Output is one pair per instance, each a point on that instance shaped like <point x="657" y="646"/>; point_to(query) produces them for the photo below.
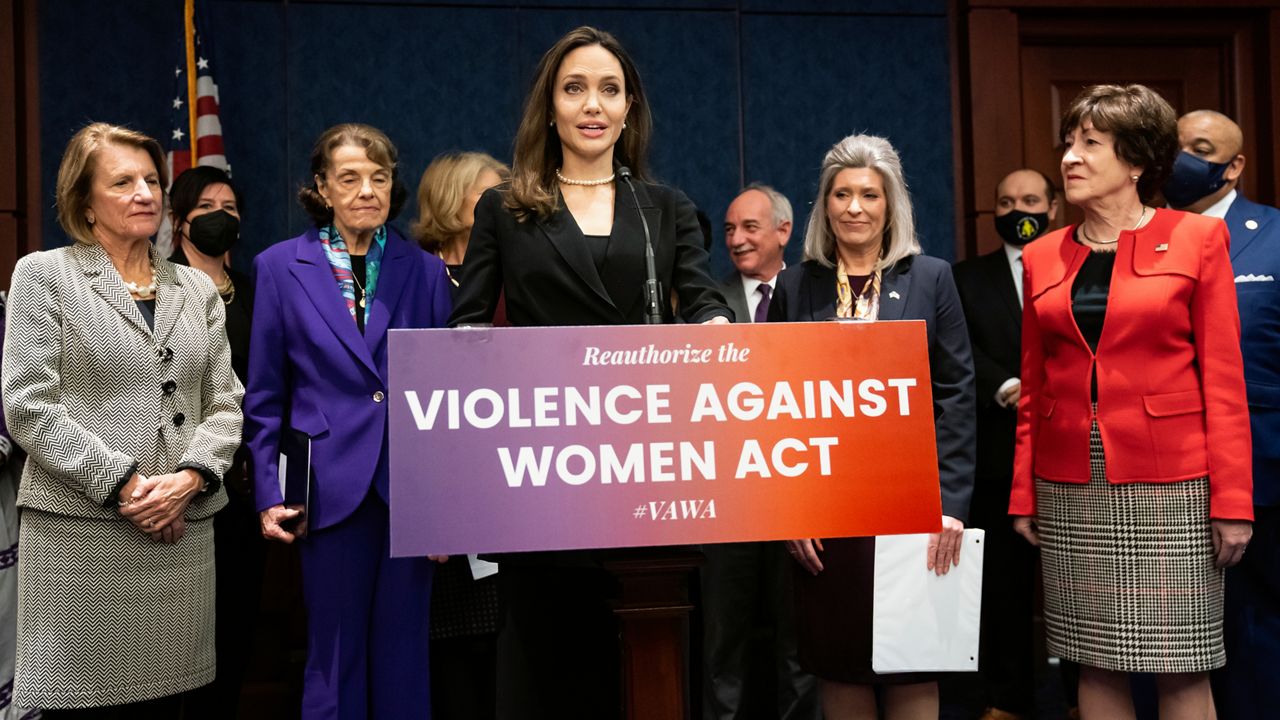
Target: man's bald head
<point x="1217" y="136"/>
<point x="1212" y="136"/>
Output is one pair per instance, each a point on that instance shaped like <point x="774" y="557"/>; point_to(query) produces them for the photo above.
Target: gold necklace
<point x="1087" y="236"/>
<point x="447" y="271"/>
<point x="360" y="285"/>
<point x="227" y="289"/>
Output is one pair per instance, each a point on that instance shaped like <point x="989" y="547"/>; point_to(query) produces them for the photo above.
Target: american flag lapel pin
<point x="1162" y="247"/>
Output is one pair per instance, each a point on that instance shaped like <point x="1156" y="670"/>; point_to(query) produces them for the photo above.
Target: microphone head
<point x="623" y="172"/>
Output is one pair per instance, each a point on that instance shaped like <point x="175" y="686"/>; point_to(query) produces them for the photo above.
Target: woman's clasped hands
<point x="155" y="504"/>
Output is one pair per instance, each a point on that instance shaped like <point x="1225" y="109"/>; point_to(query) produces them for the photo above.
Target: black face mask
<point x="214" y="233"/>
<point x="1019" y="228"/>
<point x="1193" y="178"/>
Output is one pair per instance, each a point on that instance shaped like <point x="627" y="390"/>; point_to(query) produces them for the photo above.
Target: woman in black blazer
<point x="863" y="262"/>
<point x="565" y="242"/>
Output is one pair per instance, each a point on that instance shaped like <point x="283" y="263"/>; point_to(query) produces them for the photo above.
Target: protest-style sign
<point x="514" y="439"/>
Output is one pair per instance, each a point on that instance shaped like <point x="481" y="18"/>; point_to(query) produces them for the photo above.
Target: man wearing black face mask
<point x="991" y="293"/>
<point x="1204" y="181"/>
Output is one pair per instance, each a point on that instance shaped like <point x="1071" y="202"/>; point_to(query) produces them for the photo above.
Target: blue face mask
<point x="1193" y="178"/>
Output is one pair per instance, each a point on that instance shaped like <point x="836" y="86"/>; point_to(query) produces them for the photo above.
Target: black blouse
<point x="1089" y="295"/>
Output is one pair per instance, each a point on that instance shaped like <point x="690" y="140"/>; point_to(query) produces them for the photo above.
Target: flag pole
<point x="189" y="22"/>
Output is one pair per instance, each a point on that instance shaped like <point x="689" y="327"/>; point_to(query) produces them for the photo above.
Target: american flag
<point x="196" y="129"/>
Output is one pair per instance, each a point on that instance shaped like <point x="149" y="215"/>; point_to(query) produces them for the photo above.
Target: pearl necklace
<point x="144" y="292"/>
<point x="584" y="183"/>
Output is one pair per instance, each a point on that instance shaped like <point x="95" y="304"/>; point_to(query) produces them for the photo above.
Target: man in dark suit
<point x="1204" y="180"/>
<point x="749" y="632"/>
<point x="991" y="292"/>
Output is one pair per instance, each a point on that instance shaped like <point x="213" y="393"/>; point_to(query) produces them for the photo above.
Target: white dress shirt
<point x="1220" y="208"/>
<point x="749" y="286"/>
<point x="1014" y="253"/>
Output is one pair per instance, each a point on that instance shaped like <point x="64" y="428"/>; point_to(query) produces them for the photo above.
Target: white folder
<point x="922" y="622"/>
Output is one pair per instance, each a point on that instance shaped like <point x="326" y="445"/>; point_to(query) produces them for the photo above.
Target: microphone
<point x="652" y="291"/>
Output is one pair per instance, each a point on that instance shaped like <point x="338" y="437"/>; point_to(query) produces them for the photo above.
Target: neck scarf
<point x="335" y="249"/>
<point x="866" y="306"/>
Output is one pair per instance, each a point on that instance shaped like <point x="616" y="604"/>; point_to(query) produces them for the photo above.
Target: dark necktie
<point x="762" y="310"/>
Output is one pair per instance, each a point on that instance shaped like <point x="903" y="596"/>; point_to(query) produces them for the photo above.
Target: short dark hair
<point x="376" y="145"/>
<point x="1144" y="124"/>
<point x="1050" y="190"/>
<point x="184" y="195"/>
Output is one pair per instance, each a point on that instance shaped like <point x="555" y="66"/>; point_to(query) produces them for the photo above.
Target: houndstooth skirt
<point x="1129" y="577"/>
<point x="108" y="617"/>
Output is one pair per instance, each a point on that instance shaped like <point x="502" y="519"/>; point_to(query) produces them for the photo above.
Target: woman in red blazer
<point x="1132" y="469"/>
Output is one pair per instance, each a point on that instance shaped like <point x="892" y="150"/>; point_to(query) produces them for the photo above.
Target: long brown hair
<point x="538" y="153"/>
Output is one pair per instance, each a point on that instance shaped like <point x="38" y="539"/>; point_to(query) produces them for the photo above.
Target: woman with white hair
<point x="863" y="262"/>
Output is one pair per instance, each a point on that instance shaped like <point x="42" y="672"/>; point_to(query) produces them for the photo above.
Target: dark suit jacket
<point x="545" y="267"/>
<point x="925" y="291"/>
<point x="310" y="367"/>
<point x="1255" y="260"/>
<point x="546" y="271"/>
<point x="731" y="287"/>
<point x="994" y="319"/>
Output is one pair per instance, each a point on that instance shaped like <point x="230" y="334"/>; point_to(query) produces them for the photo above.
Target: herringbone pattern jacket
<point x="91" y="391"/>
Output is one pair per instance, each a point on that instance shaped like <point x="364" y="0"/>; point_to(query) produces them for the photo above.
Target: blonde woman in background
<point x="464" y="611"/>
<point x="447" y="197"/>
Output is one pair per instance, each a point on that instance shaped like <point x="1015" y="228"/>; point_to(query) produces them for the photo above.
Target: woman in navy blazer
<point x="318" y="364"/>
<point x="863" y="262"/>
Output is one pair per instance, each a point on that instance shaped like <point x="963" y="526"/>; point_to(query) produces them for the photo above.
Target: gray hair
<point x="779" y="202"/>
<point x="864" y="151"/>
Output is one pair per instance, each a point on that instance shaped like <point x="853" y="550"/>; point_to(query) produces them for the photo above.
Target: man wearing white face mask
<point x="1204" y="180"/>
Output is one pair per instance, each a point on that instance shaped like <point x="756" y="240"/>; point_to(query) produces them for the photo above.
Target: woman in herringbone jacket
<point x="117" y="382"/>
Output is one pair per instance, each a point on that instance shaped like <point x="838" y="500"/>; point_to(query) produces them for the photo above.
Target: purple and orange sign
<point x="512" y="439"/>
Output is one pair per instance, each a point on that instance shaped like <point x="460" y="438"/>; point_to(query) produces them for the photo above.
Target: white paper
<point x="481" y="569"/>
<point x="282" y="471"/>
<point x="922" y="622"/>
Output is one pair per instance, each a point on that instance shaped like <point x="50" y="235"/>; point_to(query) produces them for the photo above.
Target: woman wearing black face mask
<point x="205" y="212"/>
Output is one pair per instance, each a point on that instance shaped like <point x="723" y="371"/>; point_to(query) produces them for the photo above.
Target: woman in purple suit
<point x="318" y="367"/>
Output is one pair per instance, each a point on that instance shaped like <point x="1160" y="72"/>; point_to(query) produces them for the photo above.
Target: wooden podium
<point x="653" y="611"/>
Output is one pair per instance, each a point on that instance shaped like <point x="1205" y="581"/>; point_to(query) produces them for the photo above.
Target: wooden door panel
<point x="1188" y="76"/>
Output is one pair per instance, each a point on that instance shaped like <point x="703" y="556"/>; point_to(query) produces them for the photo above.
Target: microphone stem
<point x="652" y="291"/>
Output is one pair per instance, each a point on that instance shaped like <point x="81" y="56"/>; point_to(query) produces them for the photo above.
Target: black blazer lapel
<point x="392" y="273"/>
<point x="1000" y="275"/>
<point x="624" y="266"/>
<point x="566" y="237"/>
<point x="895" y="285"/>
<point x="311" y="269"/>
<point x="822" y="291"/>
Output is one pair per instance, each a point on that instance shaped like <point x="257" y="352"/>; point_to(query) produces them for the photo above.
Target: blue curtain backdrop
<point x="741" y="90"/>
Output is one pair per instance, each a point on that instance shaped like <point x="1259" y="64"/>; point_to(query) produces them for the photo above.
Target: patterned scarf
<point x="867" y="305"/>
<point x="335" y="249"/>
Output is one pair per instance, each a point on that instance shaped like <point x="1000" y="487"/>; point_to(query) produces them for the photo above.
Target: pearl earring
<point x="551" y="124"/>
<point x="624" y="126"/>
<point x="1134" y="177"/>
<point x="91" y="218"/>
